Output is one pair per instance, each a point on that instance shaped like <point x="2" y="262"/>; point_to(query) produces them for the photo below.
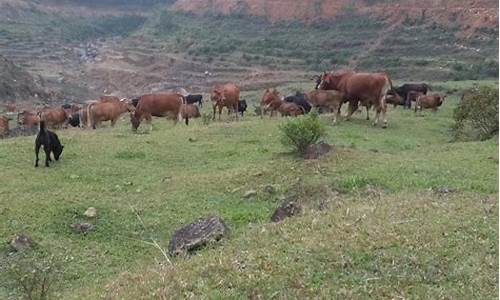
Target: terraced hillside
<point x="90" y="50"/>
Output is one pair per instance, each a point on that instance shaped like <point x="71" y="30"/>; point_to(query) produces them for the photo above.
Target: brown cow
<point x="271" y="100"/>
<point x="330" y="100"/>
<point x="227" y="95"/>
<point x="4" y="126"/>
<point x="190" y="111"/>
<point x="28" y="119"/>
<point x="10" y="107"/>
<point x="107" y="111"/>
<point x="367" y="88"/>
<point x="157" y="105"/>
<point x="109" y="98"/>
<point x="54" y="117"/>
<point x="429" y="101"/>
<point x="290" y="109"/>
<point x="394" y="99"/>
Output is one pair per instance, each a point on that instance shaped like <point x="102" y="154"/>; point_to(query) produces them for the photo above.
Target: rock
<point x="269" y="189"/>
<point x="250" y="194"/>
<point x="286" y="210"/>
<point x="21" y="242"/>
<point x="317" y="150"/>
<point x="83" y="227"/>
<point x="192" y="140"/>
<point x="74" y="176"/>
<point x="444" y="190"/>
<point x="91" y="212"/>
<point x="196" y="235"/>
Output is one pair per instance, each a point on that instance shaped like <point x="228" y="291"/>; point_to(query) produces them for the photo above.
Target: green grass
<point x="383" y="235"/>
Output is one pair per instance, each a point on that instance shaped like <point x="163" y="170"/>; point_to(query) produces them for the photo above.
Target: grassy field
<point x="373" y="225"/>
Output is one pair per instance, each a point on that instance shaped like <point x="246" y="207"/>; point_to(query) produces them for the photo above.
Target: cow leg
<point x="353" y="106"/>
<point x="37" y="150"/>
<point x="220" y="112"/>
<point x="367" y="112"/>
<point x="215" y="108"/>
<point x="236" y="110"/>
<point x="149" y="122"/>
<point x="47" y="155"/>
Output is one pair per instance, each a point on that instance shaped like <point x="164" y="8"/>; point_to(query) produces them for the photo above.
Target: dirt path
<point x="374" y="44"/>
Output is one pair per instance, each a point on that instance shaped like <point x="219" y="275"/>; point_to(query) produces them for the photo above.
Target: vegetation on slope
<point x="415" y="50"/>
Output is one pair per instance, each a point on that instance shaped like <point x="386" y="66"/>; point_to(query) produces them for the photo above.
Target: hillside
<point x="468" y="15"/>
<point x="82" y="49"/>
<point x="17" y="84"/>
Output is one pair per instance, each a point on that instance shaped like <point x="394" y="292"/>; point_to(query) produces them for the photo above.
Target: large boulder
<point x="196" y="235"/>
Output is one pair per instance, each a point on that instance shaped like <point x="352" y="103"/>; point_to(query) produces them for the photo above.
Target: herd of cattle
<point x="332" y="90"/>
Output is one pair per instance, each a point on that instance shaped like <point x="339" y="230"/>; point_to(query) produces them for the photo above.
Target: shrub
<point x="476" y="116"/>
<point x="300" y="133"/>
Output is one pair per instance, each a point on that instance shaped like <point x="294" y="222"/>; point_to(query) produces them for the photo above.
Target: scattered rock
<point x="166" y="179"/>
<point x="21" y="242"/>
<point x="83" y="227"/>
<point x="250" y="194"/>
<point x="91" y="212"/>
<point x="444" y="190"/>
<point x="317" y="150"/>
<point x="74" y="176"/>
<point x="196" y="235"/>
<point x="192" y="140"/>
<point x="270" y="189"/>
<point x="129" y="183"/>
<point x="286" y="210"/>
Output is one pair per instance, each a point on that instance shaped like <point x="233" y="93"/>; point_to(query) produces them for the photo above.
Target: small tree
<point x="300" y="133"/>
<point x="476" y="116"/>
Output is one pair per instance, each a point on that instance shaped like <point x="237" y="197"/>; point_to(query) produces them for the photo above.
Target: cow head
<point x="217" y="96"/>
<point x="127" y="105"/>
<point x="135" y="120"/>
<point x="328" y="81"/>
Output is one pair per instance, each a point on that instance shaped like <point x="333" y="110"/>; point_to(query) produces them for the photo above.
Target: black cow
<point x="135" y="101"/>
<point x="242" y="107"/>
<point x="411" y="87"/>
<point x="192" y="99"/>
<point x="74" y="119"/>
<point x="301" y="100"/>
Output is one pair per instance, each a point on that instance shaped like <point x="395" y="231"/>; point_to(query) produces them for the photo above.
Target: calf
<point x="431" y="101"/>
<point x="290" y="109"/>
<point x="74" y="120"/>
<point x="300" y="100"/>
<point x="107" y="111"/>
<point x="192" y="99"/>
<point x="227" y="95"/>
<point x="189" y="111"/>
<point x="330" y="100"/>
<point x="394" y="99"/>
<point x="270" y="101"/>
<point x="242" y="107"/>
<point x="50" y="142"/>
<point x="4" y="126"/>
<point x="28" y="119"/>
<point x="54" y="117"/>
<point x="406" y="88"/>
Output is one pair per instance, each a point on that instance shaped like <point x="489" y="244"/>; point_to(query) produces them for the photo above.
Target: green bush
<point x="300" y="133"/>
<point x="476" y="116"/>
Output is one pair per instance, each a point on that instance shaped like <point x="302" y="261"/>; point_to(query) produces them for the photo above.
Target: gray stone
<point x="83" y="227"/>
<point x="195" y="235"/>
<point x="91" y="212"/>
<point x="21" y="242"/>
<point x="288" y="209"/>
<point x="250" y="194"/>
